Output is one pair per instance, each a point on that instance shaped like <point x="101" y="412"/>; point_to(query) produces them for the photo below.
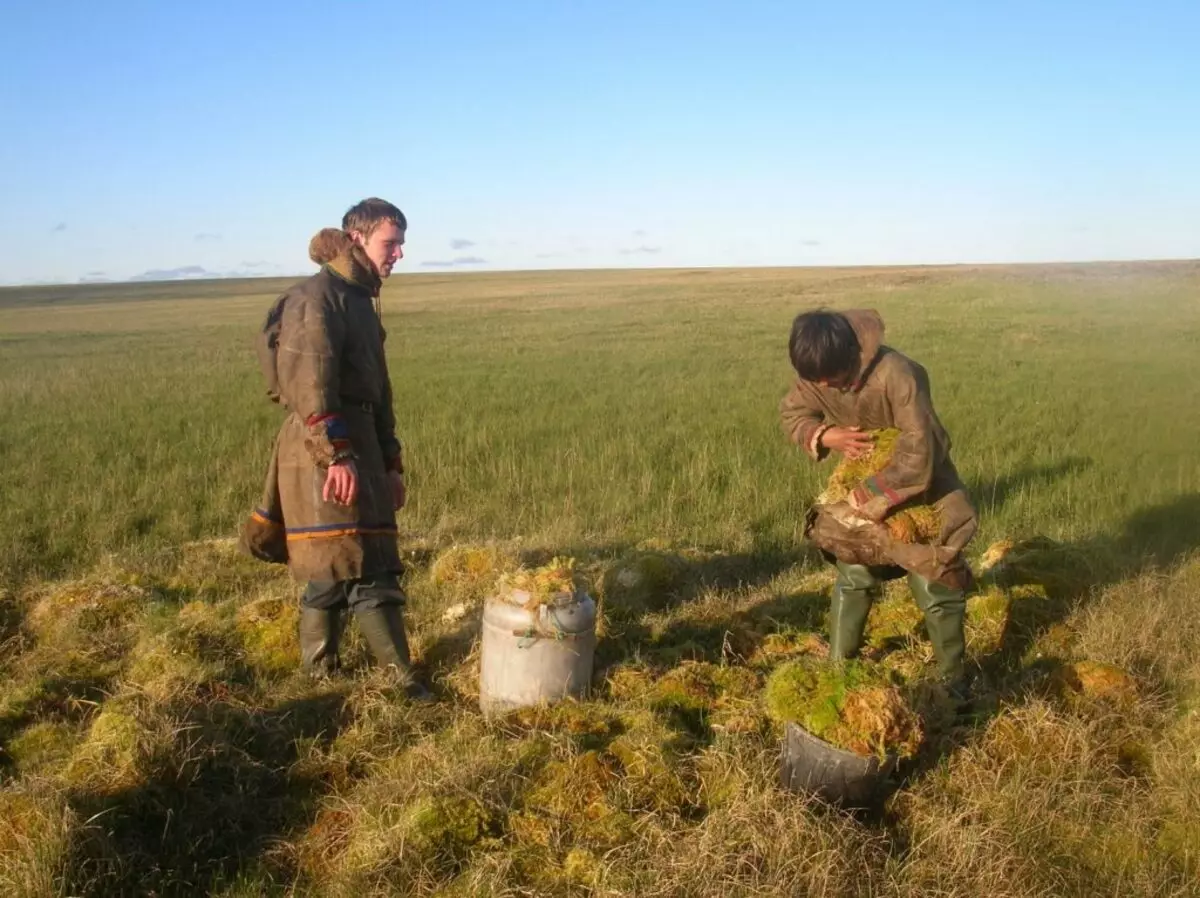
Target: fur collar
<point x="333" y="248"/>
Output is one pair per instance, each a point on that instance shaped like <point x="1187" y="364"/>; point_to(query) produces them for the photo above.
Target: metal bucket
<point x="528" y="657"/>
<point x="814" y="766"/>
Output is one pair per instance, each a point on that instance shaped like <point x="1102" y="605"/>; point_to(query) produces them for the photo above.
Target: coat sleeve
<point x="909" y="471"/>
<point x="803" y="421"/>
<point x="385" y="428"/>
<point x="312" y="336"/>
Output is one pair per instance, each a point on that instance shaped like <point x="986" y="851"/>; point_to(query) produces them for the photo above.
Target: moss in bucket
<point x="913" y="524"/>
<point x="853" y="705"/>
<point x="531" y="587"/>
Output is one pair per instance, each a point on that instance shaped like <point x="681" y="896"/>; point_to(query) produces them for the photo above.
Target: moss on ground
<point x="471" y="571"/>
<point x="42" y="747"/>
<point x="642" y="581"/>
<point x="893" y="620"/>
<point x="113" y="754"/>
<point x="675" y="763"/>
<point x="1098" y="682"/>
<point x="268" y="628"/>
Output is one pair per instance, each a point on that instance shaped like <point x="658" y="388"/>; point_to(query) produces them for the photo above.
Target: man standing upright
<point x="336" y="479"/>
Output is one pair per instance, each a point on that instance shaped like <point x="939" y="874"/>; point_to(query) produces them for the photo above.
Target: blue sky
<point x="146" y="137"/>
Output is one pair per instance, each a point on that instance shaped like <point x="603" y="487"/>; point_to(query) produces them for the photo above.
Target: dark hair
<point x="369" y="214"/>
<point x="823" y="346"/>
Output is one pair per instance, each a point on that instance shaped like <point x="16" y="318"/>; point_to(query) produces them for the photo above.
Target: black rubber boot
<point x="383" y="629"/>
<point x="854" y="592"/>
<point x="320" y="631"/>
<point x="944" y="609"/>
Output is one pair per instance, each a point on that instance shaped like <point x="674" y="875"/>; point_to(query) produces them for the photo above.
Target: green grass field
<point x="156" y="739"/>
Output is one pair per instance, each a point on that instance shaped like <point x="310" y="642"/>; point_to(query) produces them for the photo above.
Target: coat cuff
<point x="873" y="498"/>
<point x="812" y="443"/>
<point x="396" y="463"/>
<point x="328" y="439"/>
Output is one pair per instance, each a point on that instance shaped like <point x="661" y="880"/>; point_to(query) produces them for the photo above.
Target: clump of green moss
<point x="1097" y="681"/>
<point x="268" y="630"/>
<point x="724" y="697"/>
<point x="42" y="746"/>
<point x="912" y="524"/>
<point x="915" y="524"/>
<point x="850" y="472"/>
<point x="572" y="800"/>
<point x="581" y="867"/>
<point x="113" y="754"/>
<point x="471" y="569"/>
<point x="892" y="620"/>
<point x="641" y="581"/>
<point x="629" y="682"/>
<point x="96" y="605"/>
<point x="449" y="826"/>
<point x="651" y="767"/>
<point x="853" y="705"/>
<point x="786" y="644"/>
<point x="585" y="722"/>
<point x="987" y="619"/>
<point x="187" y="651"/>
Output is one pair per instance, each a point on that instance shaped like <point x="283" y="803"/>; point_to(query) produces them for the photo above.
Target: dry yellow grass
<point x="208" y="757"/>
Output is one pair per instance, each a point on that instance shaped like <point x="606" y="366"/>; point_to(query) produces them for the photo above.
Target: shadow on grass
<point x="990" y="495"/>
<point x="1072" y="575"/>
<point x="732" y="637"/>
<point x="213" y="807"/>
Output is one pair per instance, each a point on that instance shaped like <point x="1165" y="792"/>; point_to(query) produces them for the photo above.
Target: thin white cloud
<point x="454" y="263"/>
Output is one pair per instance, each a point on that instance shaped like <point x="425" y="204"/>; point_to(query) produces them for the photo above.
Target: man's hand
<point x="850" y="441"/>
<point x="399" y="493"/>
<point x="341" y="483"/>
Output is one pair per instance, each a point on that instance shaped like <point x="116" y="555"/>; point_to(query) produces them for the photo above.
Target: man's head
<point x="825" y="349"/>
<point x="378" y="227"/>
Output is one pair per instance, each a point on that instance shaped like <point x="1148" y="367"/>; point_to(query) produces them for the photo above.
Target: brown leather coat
<point x="891" y="390"/>
<point x="324" y="343"/>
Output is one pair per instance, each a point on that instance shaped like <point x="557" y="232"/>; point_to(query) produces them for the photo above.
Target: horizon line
<point x="457" y="272"/>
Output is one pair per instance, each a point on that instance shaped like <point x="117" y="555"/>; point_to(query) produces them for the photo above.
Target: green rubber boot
<point x="944" y="609"/>
<point x="383" y="629"/>
<point x="320" y="632"/>
<point x="854" y="592"/>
